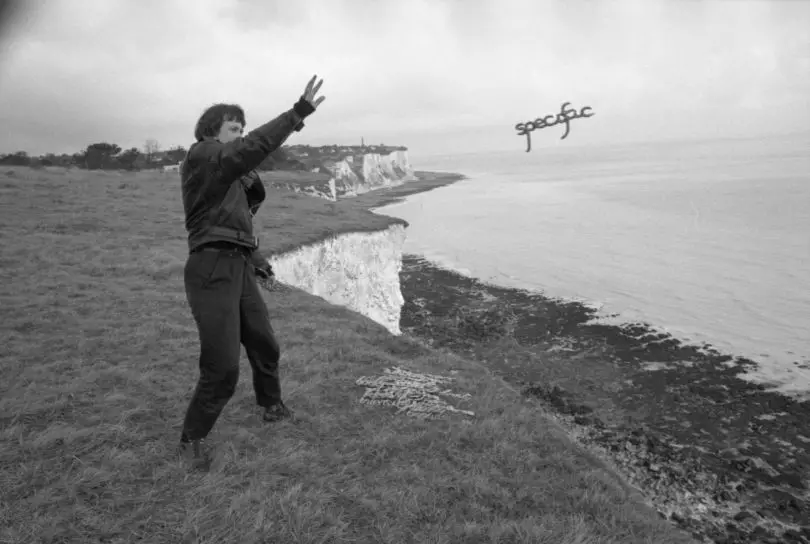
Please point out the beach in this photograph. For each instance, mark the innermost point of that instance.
(723, 456)
(718, 455)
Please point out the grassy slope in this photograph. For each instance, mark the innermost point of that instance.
(99, 362)
(295, 176)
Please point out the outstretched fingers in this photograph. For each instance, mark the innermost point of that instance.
(311, 90)
(310, 84)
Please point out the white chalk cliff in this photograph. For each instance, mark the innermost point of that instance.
(358, 174)
(357, 270)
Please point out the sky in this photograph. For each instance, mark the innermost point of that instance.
(438, 76)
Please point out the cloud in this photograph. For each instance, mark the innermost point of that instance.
(78, 72)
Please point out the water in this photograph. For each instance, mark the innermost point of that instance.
(709, 240)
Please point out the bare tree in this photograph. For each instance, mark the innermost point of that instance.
(150, 148)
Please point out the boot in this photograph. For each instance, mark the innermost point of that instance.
(276, 412)
(196, 454)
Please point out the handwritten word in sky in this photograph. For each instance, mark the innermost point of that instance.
(565, 116)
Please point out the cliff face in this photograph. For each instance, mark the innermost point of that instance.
(363, 173)
(358, 270)
(348, 177)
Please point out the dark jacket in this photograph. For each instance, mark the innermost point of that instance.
(221, 190)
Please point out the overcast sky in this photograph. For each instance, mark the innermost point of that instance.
(434, 75)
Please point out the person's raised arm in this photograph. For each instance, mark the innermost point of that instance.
(239, 157)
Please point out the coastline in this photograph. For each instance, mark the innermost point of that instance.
(425, 181)
(719, 456)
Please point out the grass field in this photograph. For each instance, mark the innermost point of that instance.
(100, 357)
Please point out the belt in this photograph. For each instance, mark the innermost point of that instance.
(233, 233)
(224, 248)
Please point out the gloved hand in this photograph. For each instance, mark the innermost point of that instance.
(263, 269)
(307, 104)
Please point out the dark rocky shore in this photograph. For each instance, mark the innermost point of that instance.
(719, 456)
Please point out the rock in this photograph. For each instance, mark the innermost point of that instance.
(792, 479)
(582, 420)
(793, 536)
(729, 454)
(725, 495)
(761, 533)
(580, 409)
(743, 515)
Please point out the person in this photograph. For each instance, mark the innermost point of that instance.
(221, 194)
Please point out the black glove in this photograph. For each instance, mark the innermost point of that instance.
(265, 272)
(303, 108)
(265, 276)
(262, 267)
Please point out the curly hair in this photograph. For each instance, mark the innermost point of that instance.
(211, 120)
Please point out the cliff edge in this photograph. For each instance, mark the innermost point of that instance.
(344, 253)
(357, 270)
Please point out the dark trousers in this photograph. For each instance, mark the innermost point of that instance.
(229, 310)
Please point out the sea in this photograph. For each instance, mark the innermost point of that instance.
(706, 240)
